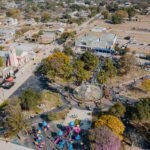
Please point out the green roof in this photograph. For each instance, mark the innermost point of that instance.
(19, 52)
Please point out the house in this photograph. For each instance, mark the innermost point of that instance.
(98, 29)
(6, 35)
(39, 1)
(10, 62)
(47, 37)
(30, 22)
(84, 14)
(14, 57)
(31, 35)
(80, 3)
(147, 11)
(54, 24)
(126, 4)
(11, 21)
(102, 45)
(10, 5)
(135, 18)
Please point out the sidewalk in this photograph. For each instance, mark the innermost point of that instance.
(25, 73)
(10, 146)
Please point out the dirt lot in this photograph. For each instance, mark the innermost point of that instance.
(142, 38)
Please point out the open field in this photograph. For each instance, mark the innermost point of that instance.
(133, 29)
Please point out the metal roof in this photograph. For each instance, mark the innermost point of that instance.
(95, 42)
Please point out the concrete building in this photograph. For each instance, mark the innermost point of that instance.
(6, 35)
(30, 35)
(98, 29)
(10, 5)
(30, 22)
(14, 57)
(47, 37)
(102, 46)
(10, 21)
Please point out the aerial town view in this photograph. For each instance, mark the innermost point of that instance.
(74, 74)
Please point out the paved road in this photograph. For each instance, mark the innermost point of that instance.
(84, 25)
(26, 72)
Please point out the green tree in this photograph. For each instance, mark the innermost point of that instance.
(64, 36)
(1, 61)
(14, 12)
(80, 73)
(105, 13)
(126, 63)
(45, 17)
(2, 48)
(102, 77)
(68, 71)
(118, 17)
(68, 51)
(110, 68)
(14, 120)
(91, 61)
(140, 113)
(94, 10)
(131, 12)
(117, 110)
(30, 98)
(55, 65)
(139, 117)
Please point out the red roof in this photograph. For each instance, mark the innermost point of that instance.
(10, 79)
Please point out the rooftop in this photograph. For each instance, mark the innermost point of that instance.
(28, 47)
(103, 41)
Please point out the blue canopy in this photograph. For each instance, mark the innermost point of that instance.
(78, 137)
(39, 128)
(72, 124)
(61, 144)
(70, 147)
(44, 123)
(60, 133)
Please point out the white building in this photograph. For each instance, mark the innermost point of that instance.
(98, 29)
(10, 22)
(102, 45)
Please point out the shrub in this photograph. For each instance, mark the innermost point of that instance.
(113, 123)
(103, 138)
(29, 99)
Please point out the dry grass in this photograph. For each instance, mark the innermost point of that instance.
(136, 92)
(50, 101)
(58, 115)
(132, 75)
(126, 29)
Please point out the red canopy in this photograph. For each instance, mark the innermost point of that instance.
(10, 79)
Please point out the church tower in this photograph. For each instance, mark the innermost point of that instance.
(13, 57)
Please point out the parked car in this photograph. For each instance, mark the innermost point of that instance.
(7, 85)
